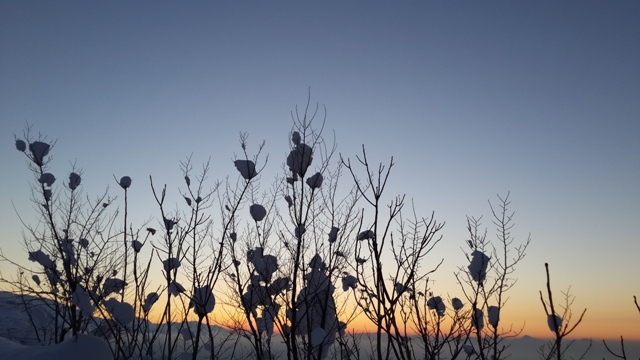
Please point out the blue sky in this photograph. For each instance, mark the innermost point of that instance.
(472, 99)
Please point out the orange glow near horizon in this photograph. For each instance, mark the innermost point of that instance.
(528, 317)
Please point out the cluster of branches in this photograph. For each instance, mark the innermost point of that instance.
(94, 276)
(272, 258)
(559, 320)
(561, 324)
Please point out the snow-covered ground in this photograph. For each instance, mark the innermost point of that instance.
(83, 347)
(17, 341)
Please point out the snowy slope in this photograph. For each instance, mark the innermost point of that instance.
(84, 347)
(18, 340)
(14, 322)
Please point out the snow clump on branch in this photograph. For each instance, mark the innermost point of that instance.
(113, 285)
(82, 299)
(203, 301)
(175, 288)
(478, 266)
(333, 234)
(20, 145)
(47, 179)
(554, 326)
(477, 321)
(247, 168)
(42, 259)
(436, 303)
(366, 235)
(38, 151)
(300, 159)
(170, 264)
(149, 301)
(494, 315)
(317, 309)
(349, 281)
(125, 182)
(457, 304)
(74, 181)
(121, 311)
(257, 211)
(265, 265)
(315, 181)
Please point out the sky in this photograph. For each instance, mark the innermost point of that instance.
(472, 99)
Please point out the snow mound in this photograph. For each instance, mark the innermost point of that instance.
(80, 348)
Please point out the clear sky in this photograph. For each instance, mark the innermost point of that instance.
(472, 98)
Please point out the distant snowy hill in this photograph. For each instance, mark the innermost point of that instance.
(18, 340)
(14, 321)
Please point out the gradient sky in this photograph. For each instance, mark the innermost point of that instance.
(473, 99)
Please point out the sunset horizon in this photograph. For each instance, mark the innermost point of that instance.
(300, 167)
